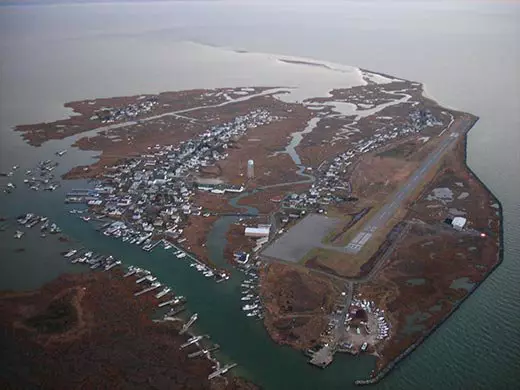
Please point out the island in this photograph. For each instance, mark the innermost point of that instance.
(357, 209)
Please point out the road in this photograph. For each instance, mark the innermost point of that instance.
(389, 209)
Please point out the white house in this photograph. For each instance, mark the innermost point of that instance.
(458, 223)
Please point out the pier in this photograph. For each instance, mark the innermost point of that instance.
(162, 304)
(110, 266)
(186, 326)
(203, 351)
(174, 312)
(129, 273)
(142, 279)
(193, 340)
(151, 246)
(151, 288)
(222, 370)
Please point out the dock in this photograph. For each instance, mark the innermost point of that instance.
(129, 273)
(152, 246)
(203, 351)
(110, 266)
(140, 280)
(193, 340)
(165, 303)
(322, 358)
(222, 370)
(186, 326)
(174, 312)
(151, 288)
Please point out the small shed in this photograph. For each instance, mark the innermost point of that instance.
(458, 223)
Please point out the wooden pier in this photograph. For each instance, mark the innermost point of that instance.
(222, 370)
(203, 351)
(151, 288)
(186, 326)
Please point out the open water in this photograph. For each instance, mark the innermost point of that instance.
(467, 53)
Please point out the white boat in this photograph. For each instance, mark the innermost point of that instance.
(18, 234)
(162, 293)
(180, 256)
(71, 253)
(249, 307)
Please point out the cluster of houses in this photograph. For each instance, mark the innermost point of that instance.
(331, 185)
(151, 197)
(110, 114)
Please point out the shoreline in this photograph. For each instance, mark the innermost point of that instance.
(408, 352)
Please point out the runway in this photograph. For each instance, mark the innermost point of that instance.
(388, 210)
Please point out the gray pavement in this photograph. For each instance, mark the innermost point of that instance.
(301, 238)
(388, 210)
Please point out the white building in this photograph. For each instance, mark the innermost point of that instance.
(458, 223)
(257, 232)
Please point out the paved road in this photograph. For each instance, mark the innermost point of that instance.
(388, 210)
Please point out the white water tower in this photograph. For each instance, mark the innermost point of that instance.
(250, 169)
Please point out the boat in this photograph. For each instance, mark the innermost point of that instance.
(180, 256)
(18, 234)
(249, 307)
(54, 229)
(163, 292)
(112, 264)
(80, 259)
(247, 297)
(61, 152)
(71, 253)
(32, 223)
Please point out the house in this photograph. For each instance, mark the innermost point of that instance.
(458, 223)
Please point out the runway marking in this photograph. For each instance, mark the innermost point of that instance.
(361, 238)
